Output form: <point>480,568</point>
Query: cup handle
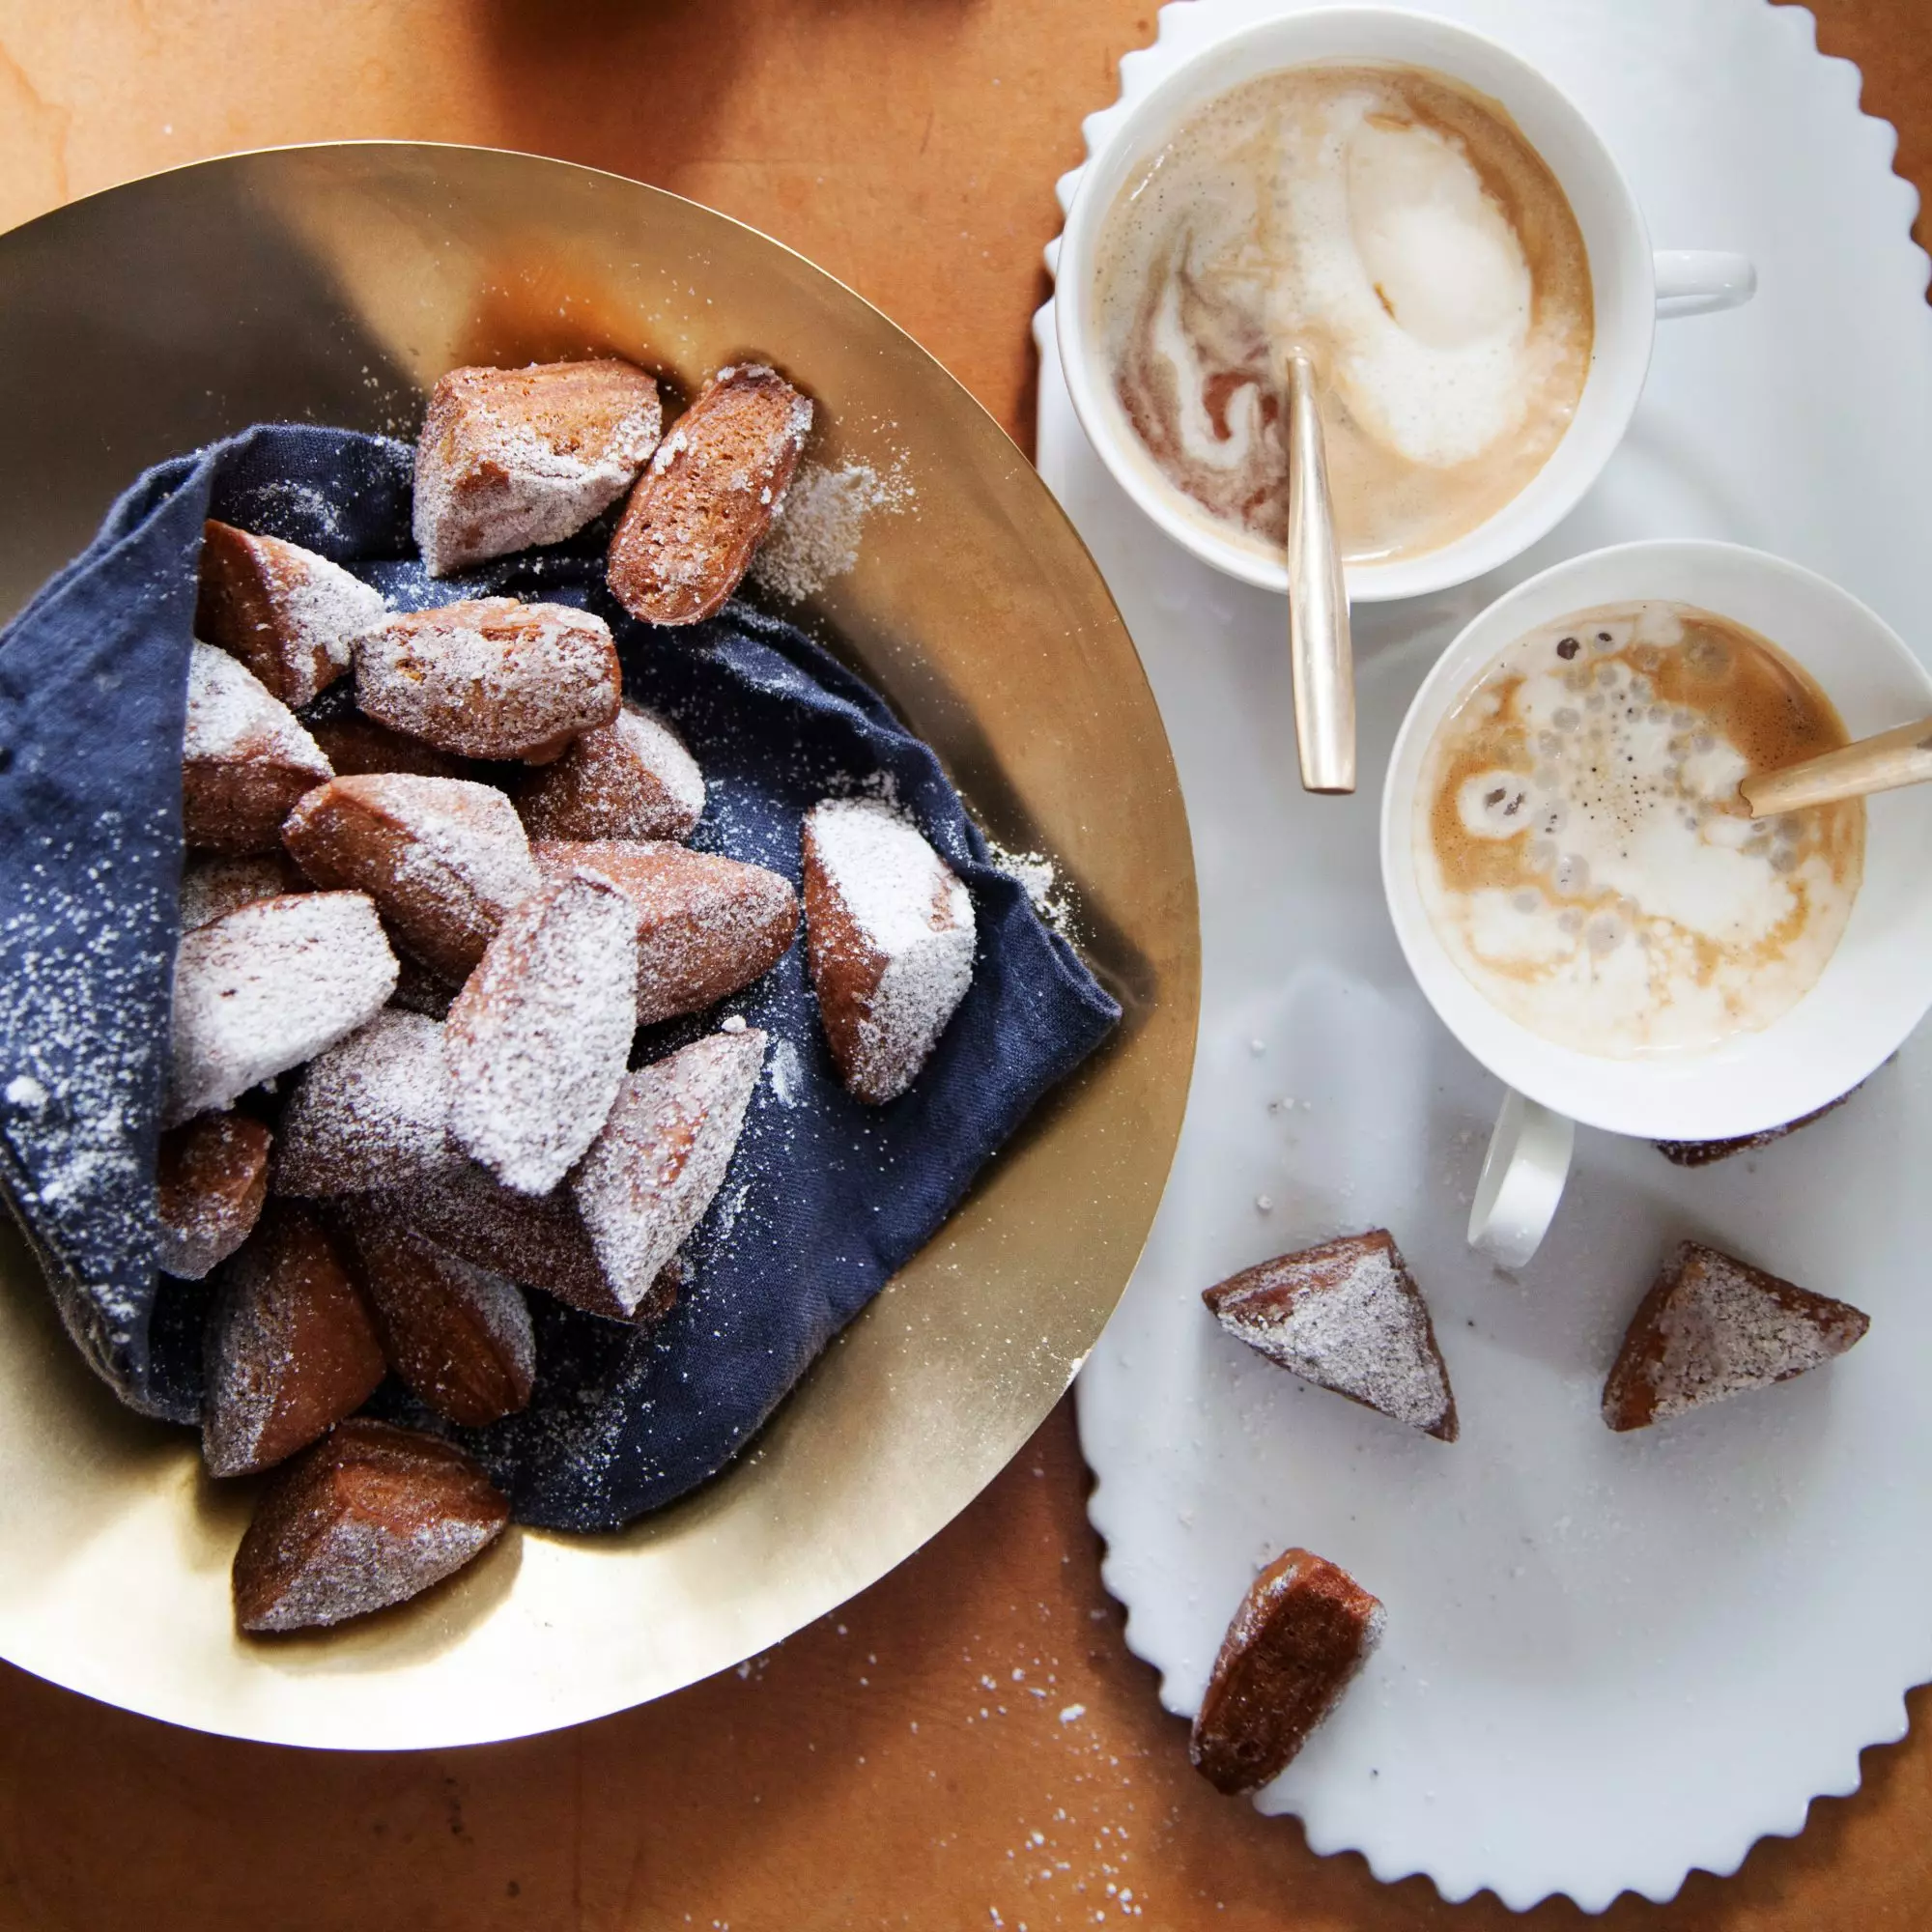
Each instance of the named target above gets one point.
<point>1521,1182</point>
<point>1699,282</point>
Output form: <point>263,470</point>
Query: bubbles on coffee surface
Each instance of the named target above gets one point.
<point>1584,855</point>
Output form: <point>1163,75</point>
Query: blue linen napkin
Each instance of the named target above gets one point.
<point>825,1199</point>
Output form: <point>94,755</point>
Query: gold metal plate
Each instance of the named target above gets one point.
<point>333,284</point>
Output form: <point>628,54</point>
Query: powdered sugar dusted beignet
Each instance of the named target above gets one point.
<point>371,1516</point>
<point>370,1113</point>
<point>514,457</point>
<point>706,924</point>
<point>444,859</point>
<point>1713,1327</point>
<point>717,479</point>
<point>289,1349</point>
<point>288,615</point>
<point>890,936</point>
<point>662,1155</point>
<point>536,1040</point>
<point>1303,1630</point>
<point>266,986</point>
<point>212,1180</point>
<point>631,778</point>
<point>245,758</point>
<point>212,886</point>
<point>538,1239</point>
<point>354,744</point>
<point>490,678</point>
<point>1348,1316</point>
<point>458,1335</point>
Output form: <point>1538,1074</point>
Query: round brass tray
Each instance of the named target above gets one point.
<point>333,284</point>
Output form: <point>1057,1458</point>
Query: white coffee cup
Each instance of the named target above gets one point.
<point>1633,286</point>
<point>1874,990</point>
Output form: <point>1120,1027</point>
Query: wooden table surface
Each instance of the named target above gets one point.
<point>969,1744</point>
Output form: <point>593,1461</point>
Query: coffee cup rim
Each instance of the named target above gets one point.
<point>1873,992</point>
<point>1615,379</point>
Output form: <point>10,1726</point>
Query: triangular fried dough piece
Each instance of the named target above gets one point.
<point>289,614</point>
<point>662,1155</point>
<point>458,1334</point>
<point>1713,1327</point>
<point>290,1348</point>
<point>370,1516</point>
<point>1348,1316</point>
<point>1303,1630</point>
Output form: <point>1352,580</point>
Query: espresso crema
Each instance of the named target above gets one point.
<point>1399,229</point>
<point>1582,849</point>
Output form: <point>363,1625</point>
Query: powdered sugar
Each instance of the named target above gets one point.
<point>233,715</point>
<point>1347,1316</point>
<point>664,1155</point>
<point>815,536</point>
<point>537,1040</point>
<point>914,929</point>
<point>265,988</point>
<point>371,1112</point>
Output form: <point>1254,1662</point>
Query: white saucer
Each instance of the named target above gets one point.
<point>1608,1659</point>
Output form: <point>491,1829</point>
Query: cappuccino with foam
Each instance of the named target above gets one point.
<point>1582,849</point>
<point>1398,228</point>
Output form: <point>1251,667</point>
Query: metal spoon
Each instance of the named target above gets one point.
<point>1900,756</point>
<point>1317,602</point>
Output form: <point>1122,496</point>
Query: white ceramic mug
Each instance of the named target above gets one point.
<point>1874,990</point>
<point>1633,286</point>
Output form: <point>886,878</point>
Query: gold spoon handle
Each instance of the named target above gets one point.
<point>1901,756</point>
<point>1317,601</point>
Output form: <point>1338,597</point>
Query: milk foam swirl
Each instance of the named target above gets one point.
<point>1582,851</point>
<point>1402,232</point>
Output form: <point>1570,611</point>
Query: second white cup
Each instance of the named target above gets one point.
<point>1875,989</point>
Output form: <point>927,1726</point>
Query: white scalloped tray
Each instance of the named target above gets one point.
<point>1608,1659</point>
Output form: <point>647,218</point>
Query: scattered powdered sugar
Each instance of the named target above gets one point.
<point>268,986</point>
<point>1051,897</point>
<point>93,946</point>
<point>788,1073</point>
<point>913,917</point>
<point>816,533</point>
<point>664,1155</point>
<point>370,1111</point>
<point>1347,1316</point>
<point>537,1040</point>
<point>232,714</point>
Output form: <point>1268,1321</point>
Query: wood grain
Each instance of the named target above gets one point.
<point>969,1744</point>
